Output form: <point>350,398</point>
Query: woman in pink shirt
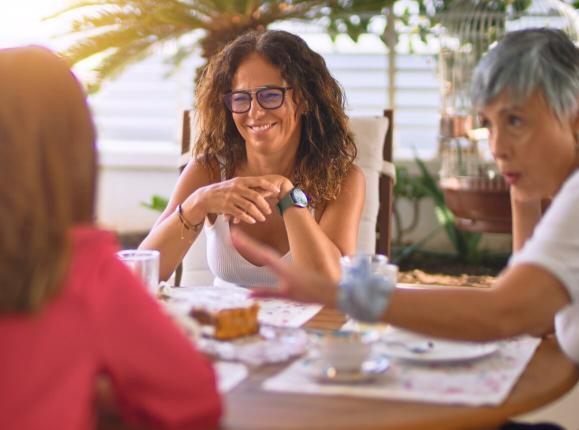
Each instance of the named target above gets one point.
<point>71,313</point>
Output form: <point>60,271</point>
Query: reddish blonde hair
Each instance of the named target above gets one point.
<point>47,174</point>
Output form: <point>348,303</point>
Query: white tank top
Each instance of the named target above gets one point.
<point>230,267</point>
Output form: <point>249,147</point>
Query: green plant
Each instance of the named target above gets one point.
<point>157,203</point>
<point>465,243</point>
<point>417,187</point>
<point>410,188</point>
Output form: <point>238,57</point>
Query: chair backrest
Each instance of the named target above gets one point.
<point>373,136</point>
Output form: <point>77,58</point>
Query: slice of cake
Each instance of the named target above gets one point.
<point>228,322</point>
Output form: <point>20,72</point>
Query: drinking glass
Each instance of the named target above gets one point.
<point>378,264</point>
<point>145,263</point>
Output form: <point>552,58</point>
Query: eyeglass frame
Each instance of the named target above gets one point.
<point>253,92</point>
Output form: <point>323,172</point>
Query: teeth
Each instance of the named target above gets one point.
<point>261,127</point>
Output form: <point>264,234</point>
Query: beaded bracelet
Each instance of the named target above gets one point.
<point>186,224</point>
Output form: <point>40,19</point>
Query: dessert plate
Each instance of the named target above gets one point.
<point>416,348</point>
<point>319,370</point>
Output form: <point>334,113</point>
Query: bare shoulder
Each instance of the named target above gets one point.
<point>198,173</point>
<point>354,181</point>
<point>352,192</point>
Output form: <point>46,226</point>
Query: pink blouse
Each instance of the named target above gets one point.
<point>103,321</point>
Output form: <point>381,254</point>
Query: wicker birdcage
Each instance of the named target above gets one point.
<point>468,29</point>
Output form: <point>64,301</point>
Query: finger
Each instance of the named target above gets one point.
<point>252,248</point>
<point>238,213</point>
<point>258,199</point>
<point>249,208</point>
<point>267,293</point>
<point>261,182</point>
<point>261,254</point>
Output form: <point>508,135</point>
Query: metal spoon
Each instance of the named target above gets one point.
<point>419,347</point>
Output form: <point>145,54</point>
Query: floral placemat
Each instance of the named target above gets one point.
<point>272,311</point>
<point>486,381</point>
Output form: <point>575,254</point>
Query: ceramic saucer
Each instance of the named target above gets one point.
<point>322,372</point>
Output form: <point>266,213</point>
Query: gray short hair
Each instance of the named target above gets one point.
<point>526,60</point>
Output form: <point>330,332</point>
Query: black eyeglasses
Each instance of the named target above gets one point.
<point>267,97</point>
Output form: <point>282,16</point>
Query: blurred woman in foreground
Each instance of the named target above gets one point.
<point>70,311</point>
<point>527,92</point>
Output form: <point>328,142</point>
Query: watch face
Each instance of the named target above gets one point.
<point>299,198</point>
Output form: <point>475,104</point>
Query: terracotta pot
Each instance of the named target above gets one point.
<point>479,204</point>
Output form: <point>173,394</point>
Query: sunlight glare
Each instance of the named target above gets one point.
<point>20,22</point>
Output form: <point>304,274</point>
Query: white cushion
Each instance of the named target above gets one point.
<point>369,134</point>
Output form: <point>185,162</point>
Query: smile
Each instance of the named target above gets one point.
<point>261,127</point>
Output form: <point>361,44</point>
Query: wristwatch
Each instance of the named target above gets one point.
<point>295,197</point>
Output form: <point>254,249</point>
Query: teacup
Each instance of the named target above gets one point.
<point>345,350</point>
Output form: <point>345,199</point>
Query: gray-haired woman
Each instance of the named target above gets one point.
<point>526,90</point>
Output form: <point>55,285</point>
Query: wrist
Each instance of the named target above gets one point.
<point>193,211</point>
<point>284,189</point>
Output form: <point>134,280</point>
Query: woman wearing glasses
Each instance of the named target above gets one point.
<point>273,158</point>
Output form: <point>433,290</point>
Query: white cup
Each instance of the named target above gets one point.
<point>144,263</point>
<point>345,350</point>
<point>378,264</point>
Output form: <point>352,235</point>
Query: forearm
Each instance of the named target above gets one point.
<point>309,245</point>
<point>454,313</point>
<point>172,239</point>
<point>523,300</point>
<point>525,216</point>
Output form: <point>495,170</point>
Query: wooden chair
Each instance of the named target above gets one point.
<point>373,136</point>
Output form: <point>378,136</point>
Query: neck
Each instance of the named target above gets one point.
<point>271,164</point>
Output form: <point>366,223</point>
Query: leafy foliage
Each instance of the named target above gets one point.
<point>125,31</point>
<point>415,188</point>
<point>157,203</point>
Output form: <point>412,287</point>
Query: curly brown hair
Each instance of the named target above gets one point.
<point>326,150</point>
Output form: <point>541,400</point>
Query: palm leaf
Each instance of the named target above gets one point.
<point>120,29</point>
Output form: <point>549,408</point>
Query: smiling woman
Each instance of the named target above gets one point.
<point>271,129</point>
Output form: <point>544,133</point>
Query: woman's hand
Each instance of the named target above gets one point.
<point>294,283</point>
<point>241,198</point>
<point>283,184</point>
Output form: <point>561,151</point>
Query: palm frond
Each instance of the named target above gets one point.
<point>113,64</point>
<point>100,43</point>
<point>81,4</point>
<point>131,27</point>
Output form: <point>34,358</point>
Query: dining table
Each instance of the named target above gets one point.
<point>548,375</point>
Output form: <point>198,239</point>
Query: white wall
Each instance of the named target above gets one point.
<point>127,179</point>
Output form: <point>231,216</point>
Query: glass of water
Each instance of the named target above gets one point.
<point>377,263</point>
<point>145,263</point>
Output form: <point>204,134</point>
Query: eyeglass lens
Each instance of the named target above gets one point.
<point>268,98</point>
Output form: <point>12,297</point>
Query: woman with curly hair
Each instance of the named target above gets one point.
<point>273,158</point>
